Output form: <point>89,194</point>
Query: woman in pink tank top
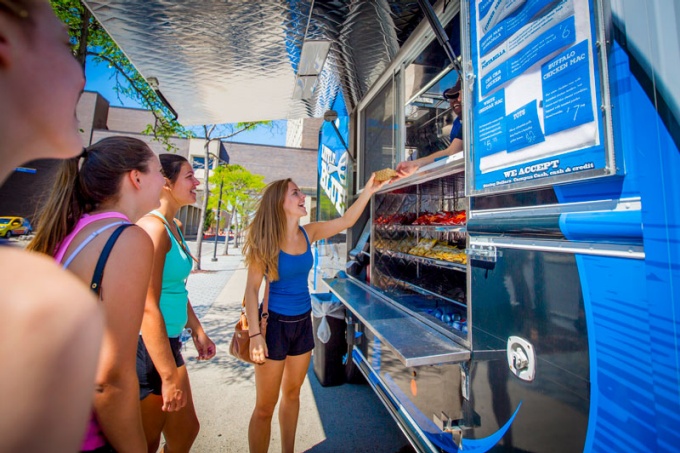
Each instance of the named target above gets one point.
<point>113,182</point>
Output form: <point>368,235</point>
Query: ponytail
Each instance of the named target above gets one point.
<point>80,191</point>
<point>61,211</point>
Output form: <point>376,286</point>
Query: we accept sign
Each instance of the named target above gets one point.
<point>535,111</point>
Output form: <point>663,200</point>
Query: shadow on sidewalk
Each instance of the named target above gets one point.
<point>220,329</point>
<point>354,419</point>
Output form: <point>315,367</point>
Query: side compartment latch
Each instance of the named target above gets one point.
<point>482,252</point>
<point>521,358</point>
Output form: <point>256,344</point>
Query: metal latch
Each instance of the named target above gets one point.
<point>447,425</point>
<point>482,252</point>
<point>521,358</point>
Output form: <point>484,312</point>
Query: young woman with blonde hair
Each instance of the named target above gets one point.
<point>88,226</point>
<point>278,249</point>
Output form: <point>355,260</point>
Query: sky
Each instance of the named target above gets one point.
<point>99,78</point>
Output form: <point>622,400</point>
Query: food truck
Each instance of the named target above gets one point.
<point>523,295</point>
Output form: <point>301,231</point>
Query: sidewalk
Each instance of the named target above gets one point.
<point>332,419</point>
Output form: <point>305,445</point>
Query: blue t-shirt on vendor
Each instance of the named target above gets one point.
<point>289,295</point>
<point>456,130</point>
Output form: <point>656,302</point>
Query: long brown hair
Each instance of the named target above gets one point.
<point>266,231</point>
<point>79,191</point>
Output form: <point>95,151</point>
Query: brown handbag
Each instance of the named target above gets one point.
<point>240,342</point>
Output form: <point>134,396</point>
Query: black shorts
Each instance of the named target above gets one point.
<point>289,335</point>
<point>149,379</point>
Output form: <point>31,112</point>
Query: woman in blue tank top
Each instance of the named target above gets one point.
<point>164,390</point>
<point>278,249</point>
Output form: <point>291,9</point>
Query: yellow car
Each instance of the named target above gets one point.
<point>14,226</point>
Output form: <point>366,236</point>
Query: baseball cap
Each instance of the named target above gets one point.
<point>453,92</point>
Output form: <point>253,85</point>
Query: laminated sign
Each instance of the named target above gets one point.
<point>535,113</point>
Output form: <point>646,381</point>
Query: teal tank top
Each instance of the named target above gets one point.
<point>174,294</point>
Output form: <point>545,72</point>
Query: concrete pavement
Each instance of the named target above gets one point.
<point>332,419</point>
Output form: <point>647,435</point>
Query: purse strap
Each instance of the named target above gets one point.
<point>265,302</point>
<point>98,274</point>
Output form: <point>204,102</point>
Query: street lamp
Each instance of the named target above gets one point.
<point>217,228</point>
<point>219,208</point>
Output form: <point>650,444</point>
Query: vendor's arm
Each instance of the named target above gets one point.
<point>322,230</point>
<point>408,167</point>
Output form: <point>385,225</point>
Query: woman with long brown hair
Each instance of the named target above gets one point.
<point>51,322</point>
<point>88,226</point>
<point>165,392</point>
<point>278,249</point>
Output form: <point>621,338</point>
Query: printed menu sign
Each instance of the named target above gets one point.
<point>535,101</point>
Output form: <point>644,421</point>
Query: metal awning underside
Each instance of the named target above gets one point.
<point>224,61</point>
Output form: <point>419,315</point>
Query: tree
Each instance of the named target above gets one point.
<point>239,189</point>
<point>89,39</point>
<point>215,132</point>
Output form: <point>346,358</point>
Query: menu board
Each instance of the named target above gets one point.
<point>535,114</point>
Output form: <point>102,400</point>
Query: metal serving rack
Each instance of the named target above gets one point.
<point>419,284</point>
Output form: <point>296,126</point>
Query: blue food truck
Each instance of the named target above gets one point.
<point>549,320</point>
<point>520,295</point>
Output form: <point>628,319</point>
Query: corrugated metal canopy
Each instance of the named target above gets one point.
<point>224,61</point>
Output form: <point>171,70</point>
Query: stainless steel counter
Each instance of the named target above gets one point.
<point>412,341</point>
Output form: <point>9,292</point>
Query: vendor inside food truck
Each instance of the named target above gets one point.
<point>454,130</point>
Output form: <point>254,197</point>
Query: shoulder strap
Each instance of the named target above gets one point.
<point>87,240</point>
<point>96,283</point>
<point>181,241</point>
<point>265,301</point>
<point>305,233</point>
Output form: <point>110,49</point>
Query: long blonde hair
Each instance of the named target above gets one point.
<point>266,232</point>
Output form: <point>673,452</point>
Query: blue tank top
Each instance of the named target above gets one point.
<point>289,295</point>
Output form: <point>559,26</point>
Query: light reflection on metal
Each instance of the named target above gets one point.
<point>312,57</point>
<point>227,61</point>
<point>304,87</point>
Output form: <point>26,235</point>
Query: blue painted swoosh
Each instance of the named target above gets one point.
<point>485,444</point>
<point>437,436</point>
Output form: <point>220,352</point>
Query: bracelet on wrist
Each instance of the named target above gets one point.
<point>253,336</point>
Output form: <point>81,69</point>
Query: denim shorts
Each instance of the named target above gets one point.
<point>149,379</point>
<point>289,335</point>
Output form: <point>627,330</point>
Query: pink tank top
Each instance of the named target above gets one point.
<point>94,437</point>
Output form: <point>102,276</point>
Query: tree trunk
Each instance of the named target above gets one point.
<point>204,206</point>
<point>81,52</point>
<point>232,216</point>
<point>237,233</point>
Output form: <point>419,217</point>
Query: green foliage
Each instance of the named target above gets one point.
<point>239,187</point>
<point>88,38</point>
<point>208,220</point>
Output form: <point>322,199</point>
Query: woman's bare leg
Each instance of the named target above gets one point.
<point>293,376</point>
<point>267,385</point>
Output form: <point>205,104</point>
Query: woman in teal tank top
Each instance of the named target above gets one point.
<point>278,249</point>
<point>164,383</point>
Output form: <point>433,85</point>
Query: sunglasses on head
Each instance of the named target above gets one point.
<point>451,95</point>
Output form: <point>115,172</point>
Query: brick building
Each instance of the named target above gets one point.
<point>23,191</point>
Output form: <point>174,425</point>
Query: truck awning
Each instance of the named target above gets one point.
<point>223,61</point>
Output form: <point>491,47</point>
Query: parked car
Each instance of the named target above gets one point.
<point>14,226</point>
